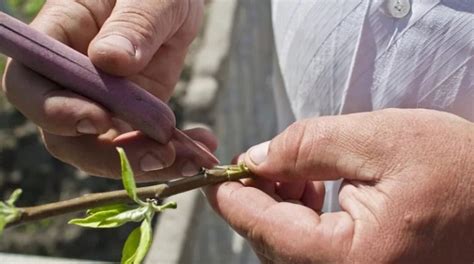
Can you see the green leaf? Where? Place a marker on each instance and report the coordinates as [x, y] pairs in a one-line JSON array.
[[130, 246], [94, 220], [14, 197], [138, 243], [119, 206], [112, 217], [135, 215], [98, 218], [8, 214], [128, 179]]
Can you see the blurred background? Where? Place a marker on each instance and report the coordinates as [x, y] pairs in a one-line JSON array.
[[24, 163], [225, 86]]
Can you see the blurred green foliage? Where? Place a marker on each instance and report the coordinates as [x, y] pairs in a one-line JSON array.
[[25, 8], [2, 64]]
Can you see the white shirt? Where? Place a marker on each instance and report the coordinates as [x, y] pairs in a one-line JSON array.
[[345, 56]]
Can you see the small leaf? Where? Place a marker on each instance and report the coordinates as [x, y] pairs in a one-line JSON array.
[[114, 217], [138, 243], [119, 207], [130, 246], [145, 240], [94, 220], [14, 197], [168, 205], [127, 176], [8, 214], [98, 217], [135, 215]]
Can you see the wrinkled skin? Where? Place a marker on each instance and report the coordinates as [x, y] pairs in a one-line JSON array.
[[81, 132], [406, 196]]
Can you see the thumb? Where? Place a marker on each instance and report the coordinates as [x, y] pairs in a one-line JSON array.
[[134, 32], [326, 148]]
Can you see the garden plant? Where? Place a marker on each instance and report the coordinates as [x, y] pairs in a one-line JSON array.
[[116, 208]]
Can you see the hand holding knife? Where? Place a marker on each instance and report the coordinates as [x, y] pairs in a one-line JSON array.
[[75, 72]]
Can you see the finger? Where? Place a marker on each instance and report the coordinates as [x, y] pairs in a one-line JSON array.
[[163, 71], [150, 160], [145, 154], [98, 156], [220, 197], [238, 158], [54, 109], [273, 227], [136, 29], [308, 193], [74, 23], [326, 148], [313, 195], [184, 164], [290, 190], [264, 185]]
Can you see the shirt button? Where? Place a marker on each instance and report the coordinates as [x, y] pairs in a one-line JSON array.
[[397, 8]]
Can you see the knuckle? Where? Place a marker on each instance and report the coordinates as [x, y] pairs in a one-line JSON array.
[[52, 21], [58, 110], [178, 9], [293, 140], [92, 16], [63, 151], [149, 24], [190, 19], [137, 20], [324, 133], [62, 106], [72, 22], [303, 140]]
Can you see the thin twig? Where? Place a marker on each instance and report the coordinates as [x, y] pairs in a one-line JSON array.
[[159, 191]]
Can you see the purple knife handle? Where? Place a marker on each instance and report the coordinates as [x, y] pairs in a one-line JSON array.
[[74, 71]]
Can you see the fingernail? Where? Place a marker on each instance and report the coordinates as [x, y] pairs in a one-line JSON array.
[[85, 126], [118, 42], [150, 163], [189, 169], [258, 154]]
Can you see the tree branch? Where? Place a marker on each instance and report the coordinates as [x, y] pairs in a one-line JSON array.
[[159, 191]]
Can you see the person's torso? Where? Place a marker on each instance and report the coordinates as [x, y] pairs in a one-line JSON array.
[[345, 56]]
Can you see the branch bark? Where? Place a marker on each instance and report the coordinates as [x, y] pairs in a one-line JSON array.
[[159, 191]]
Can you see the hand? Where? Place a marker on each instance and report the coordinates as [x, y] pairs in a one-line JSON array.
[[143, 40], [406, 195]]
